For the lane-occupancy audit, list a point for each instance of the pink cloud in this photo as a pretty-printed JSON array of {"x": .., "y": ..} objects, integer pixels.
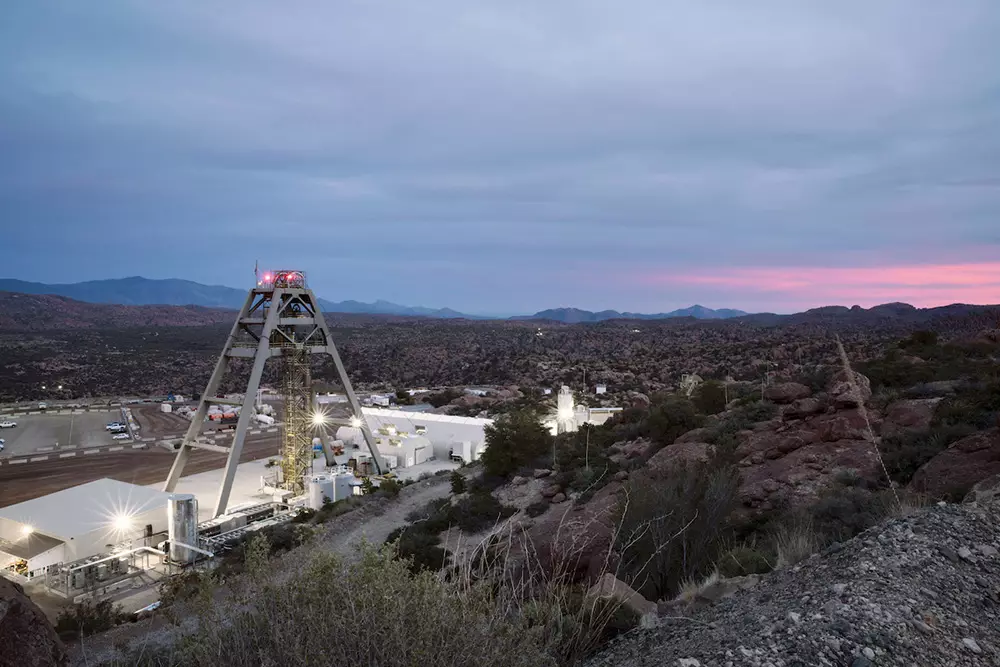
[{"x": 922, "y": 285}]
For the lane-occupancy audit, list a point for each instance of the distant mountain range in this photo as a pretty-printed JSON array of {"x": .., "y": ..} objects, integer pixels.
[
  {"x": 575, "y": 315},
  {"x": 138, "y": 291}
]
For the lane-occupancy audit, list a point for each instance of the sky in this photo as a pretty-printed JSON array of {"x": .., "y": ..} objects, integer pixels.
[{"x": 506, "y": 156}]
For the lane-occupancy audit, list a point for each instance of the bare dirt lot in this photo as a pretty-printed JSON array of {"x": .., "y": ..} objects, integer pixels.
[{"x": 154, "y": 423}]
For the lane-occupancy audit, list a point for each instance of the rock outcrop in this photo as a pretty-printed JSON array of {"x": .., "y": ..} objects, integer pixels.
[
  {"x": 27, "y": 639},
  {"x": 960, "y": 467},
  {"x": 846, "y": 391},
  {"x": 921, "y": 590},
  {"x": 786, "y": 392},
  {"x": 913, "y": 415}
]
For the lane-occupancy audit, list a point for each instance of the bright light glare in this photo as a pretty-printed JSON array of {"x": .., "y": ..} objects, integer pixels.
[
  {"x": 565, "y": 414},
  {"x": 355, "y": 422},
  {"x": 122, "y": 523},
  {"x": 27, "y": 530},
  {"x": 318, "y": 419}
]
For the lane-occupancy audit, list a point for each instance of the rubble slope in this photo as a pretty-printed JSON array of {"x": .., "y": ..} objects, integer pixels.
[{"x": 920, "y": 590}]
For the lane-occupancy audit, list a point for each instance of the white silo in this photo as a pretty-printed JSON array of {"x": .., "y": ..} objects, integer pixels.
[
  {"x": 182, "y": 526},
  {"x": 319, "y": 489}
]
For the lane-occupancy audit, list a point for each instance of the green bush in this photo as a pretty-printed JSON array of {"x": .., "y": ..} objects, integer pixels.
[
  {"x": 674, "y": 525},
  {"x": 477, "y": 512},
  {"x": 906, "y": 452},
  {"x": 744, "y": 560},
  {"x": 89, "y": 618},
  {"x": 457, "y": 483},
  {"x": 710, "y": 397},
  {"x": 668, "y": 420},
  {"x": 513, "y": 441},
  {"x": 389, "y": 487}
]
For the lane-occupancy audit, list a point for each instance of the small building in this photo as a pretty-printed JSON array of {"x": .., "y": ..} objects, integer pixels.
[
  {"x": 447, "y": 435},
  {"x": 547, "y": 391},
  {"x": 601, "y": 389},
  {"x": 477, "y": 391},
  {"x": 77, "y": 523},
  {"x": 380, "y": 399}
]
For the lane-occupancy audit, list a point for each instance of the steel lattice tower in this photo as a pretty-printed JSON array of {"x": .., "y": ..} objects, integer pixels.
[
  {"x": 296, "y": 388},
  {"x": 280, "y": 318}
]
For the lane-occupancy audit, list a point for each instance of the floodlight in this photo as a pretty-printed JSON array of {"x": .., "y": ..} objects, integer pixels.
[
  {"x": 122, "y": 522},
  {"x": 318, "y": 419},
  {"x": 27, "y": 530},
  {"x": 355, "y": 422},
  {"x": 565, "y": 414}
]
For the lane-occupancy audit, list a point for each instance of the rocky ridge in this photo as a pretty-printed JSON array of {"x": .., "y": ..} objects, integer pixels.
[{"x": 919, "y": 590}]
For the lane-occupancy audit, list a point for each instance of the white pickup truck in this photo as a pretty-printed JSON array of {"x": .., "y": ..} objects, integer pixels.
[{"x": 6, "y": 423}]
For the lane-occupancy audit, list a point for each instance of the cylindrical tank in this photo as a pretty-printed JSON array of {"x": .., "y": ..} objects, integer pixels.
[
  {"x": 182, "y": 526},
  {"x": 319, "y": 488},
  {"x": 166, "y": 407}
]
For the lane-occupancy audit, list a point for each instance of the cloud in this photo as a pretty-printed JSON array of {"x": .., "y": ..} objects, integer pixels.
[{"x": 528, "y": 144}]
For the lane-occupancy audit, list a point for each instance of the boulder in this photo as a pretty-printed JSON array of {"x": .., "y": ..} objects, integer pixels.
[
  {"x": 542, "y": 472},
  {"x": 842, "y": 425},
  {"x": 634, "y": 449},
  {"x": 802, "y": 408},
  {"x": 638, "y": 400},
  {"x": 984, "y": 492},
  {"x": 959, "y": 468},
  {"x": 846, "y": 391},
  {"x": 576, "y": 541},
  {"x": 610, "y": 586},
  {"x": 913, "y": 415},
  {"x": 695, "y": 435},
  {"x": 27, "y": 639},
  {"x": 787, "y": 392},
  {"x": 558, "y": 498},
  {"x": 678, "y": 454},
  {"x": 550, "y": 491}
]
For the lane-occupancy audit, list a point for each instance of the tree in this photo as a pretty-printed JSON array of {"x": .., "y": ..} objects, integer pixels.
[
  {"x": 670, "y": 419},
  {"x": 710, "y": 398},
  {"x": 514, "y": 440},
  {"x": 457, "y": 483},
  {"x": 403, "y": 397}
]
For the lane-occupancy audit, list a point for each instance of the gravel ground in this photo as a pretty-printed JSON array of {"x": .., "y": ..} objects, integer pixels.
[{"x": 921, "y": 590}]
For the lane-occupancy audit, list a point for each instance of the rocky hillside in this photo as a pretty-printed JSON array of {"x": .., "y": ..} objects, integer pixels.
[
  {"x": 921, "y": 590},
  {"x": 26, "y": 636},
  {"x": 46, "y": 312}
]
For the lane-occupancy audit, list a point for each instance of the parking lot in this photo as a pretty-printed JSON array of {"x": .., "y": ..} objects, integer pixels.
[{"x": 49, "y": 432}]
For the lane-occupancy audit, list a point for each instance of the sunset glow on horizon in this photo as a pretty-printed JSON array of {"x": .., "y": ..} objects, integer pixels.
[{"x": 800, "y": 287}]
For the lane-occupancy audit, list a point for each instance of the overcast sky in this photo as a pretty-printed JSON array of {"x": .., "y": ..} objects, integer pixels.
[{"x": 506, "y": 156}]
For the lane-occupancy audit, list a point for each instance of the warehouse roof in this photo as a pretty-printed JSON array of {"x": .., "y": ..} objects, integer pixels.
[
  {"x": 425, "y": 417},
  {"x": 82, "y": 509}
]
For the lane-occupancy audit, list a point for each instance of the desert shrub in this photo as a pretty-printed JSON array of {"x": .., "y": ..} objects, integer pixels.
[
  {"x": 816, "y": 378},
  {"x": 441, "y": 398},
  {"x": 457, "y": 483},
  {"x": 88, "y": 618},
  {"x": 389, "y": 488},
  {"x": 793, "y": 538},
  {"x": 841, "y": 512},
  {"x": 514, "y": 440},
  {"x": 184, "y": 586},
  {"x": 743, "y": 560},
  {"x": 710, "y": 397},
  {"x": 537, "y": 508},
  {"x": 977, "y": 405},
  {"x": 478, "y": 511},
  {"x": 919, "y": 339},
  {"x": 378, "y": 611},
  {"x": 906, "y": 452},
  {"x": 674, "y": 525},
  {"x": 669, "y": 419},
  {"x": 420, "y": 548}
]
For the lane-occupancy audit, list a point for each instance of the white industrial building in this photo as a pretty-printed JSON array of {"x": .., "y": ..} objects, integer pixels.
[
  {"x": 77, "y": 523},
  {"x": 569, "y": 417},
  {"x": 416, "y": 437}
]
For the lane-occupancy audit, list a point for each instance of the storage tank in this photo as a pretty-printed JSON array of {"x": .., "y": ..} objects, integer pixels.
[
  {"x": 182, "y": 526},
  {"x": 267, "y": 420},
  {"x": 166, "y": 407},
  {"x": 318, "y": 489},
  {"x": 343, "y": 486}
]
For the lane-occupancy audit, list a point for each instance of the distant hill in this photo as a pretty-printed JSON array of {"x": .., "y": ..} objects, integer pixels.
[
  {"x": 138, "y": 291},
  {"x": 575, "y": 315},
  {"x": 45, "y": 312}
]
